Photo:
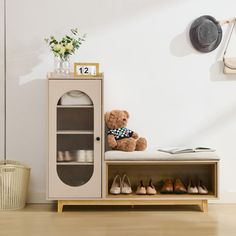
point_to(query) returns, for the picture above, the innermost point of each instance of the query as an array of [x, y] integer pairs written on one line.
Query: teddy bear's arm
[[111, 141], [134, 135]]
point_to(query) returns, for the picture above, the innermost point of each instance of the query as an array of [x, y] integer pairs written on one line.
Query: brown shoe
[[179, 187], [167, 187]]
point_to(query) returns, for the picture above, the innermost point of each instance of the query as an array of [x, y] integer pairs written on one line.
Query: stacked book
[[186, 150]]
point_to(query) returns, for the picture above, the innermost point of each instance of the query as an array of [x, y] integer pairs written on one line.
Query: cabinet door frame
[[56, 188]]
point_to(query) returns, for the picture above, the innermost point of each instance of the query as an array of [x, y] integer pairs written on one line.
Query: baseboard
[[37, 198], [228, 197]]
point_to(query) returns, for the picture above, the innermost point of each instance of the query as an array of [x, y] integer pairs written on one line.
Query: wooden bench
[[159, 166], [156, 166]]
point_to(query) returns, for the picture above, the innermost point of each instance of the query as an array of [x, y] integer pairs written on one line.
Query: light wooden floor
[[42, 220]]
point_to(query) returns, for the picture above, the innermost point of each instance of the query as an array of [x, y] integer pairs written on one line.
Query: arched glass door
[[75, 138]]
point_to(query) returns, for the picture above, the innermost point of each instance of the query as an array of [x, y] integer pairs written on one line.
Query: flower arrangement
[[67, 45]]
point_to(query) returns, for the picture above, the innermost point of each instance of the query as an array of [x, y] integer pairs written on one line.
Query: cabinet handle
[[98, 138]]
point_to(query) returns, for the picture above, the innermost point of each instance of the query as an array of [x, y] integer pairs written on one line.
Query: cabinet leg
[[59, 206], [204, 206]]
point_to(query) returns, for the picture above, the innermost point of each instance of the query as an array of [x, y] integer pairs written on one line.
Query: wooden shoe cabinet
[[76, 128]]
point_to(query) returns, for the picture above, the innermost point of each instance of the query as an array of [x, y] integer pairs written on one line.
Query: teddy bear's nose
[[124, 119]]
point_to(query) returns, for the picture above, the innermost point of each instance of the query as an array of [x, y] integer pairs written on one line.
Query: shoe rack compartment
[[74, 142], [161, 171], [75, 118]]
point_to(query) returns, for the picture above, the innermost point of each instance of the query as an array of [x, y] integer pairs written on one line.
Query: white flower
[[62, 50], [57, 48], [69, 47]]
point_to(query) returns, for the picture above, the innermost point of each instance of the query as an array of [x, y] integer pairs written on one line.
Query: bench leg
[[59, 206], [204, 206]]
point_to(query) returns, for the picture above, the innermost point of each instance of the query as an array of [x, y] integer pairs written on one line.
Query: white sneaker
[[116, 185], [60, 156], [192, 188], [151, 190], [125, 185], [89, 155], [202, 188], [67, 156]]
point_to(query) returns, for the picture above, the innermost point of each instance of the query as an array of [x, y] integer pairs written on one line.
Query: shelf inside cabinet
[[210, 195], [75, 132], [74, 106], [74, 163]]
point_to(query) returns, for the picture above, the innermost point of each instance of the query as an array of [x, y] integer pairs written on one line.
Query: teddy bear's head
[[116, 119]]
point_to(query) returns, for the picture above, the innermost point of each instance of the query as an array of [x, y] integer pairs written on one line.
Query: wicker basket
[[14, 179]]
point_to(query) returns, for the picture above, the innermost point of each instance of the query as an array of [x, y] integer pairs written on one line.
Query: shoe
[[192, 188], [141, 190], [179, 187], [60, 156], [151, 188], [67, 156], [125, 185], [167, 187], [116, 185], [202, 188]]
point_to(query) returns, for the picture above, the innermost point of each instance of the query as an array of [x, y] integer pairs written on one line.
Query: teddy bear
[[118, 136]]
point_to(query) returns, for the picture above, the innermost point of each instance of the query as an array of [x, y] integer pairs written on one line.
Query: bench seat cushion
[[158, 156]]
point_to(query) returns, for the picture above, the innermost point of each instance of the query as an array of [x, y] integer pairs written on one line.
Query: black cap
[[205, 33]]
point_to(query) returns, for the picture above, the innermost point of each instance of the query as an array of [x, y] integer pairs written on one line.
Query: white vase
[[62, 66]]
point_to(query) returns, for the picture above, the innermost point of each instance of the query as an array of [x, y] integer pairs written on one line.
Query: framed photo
[[86, 69]]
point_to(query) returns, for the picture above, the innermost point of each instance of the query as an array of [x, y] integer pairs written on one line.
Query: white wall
[[175, 95], [1, 78]]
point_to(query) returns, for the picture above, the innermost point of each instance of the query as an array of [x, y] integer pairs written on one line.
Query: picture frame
[[86, 69]]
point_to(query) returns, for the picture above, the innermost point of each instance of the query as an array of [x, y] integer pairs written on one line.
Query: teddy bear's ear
[[107, 116], [126, 113]]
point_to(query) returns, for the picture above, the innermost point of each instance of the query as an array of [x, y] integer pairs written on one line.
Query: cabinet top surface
[[53, 76]]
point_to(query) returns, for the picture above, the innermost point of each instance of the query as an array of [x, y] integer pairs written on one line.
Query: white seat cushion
[[158, 156]]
